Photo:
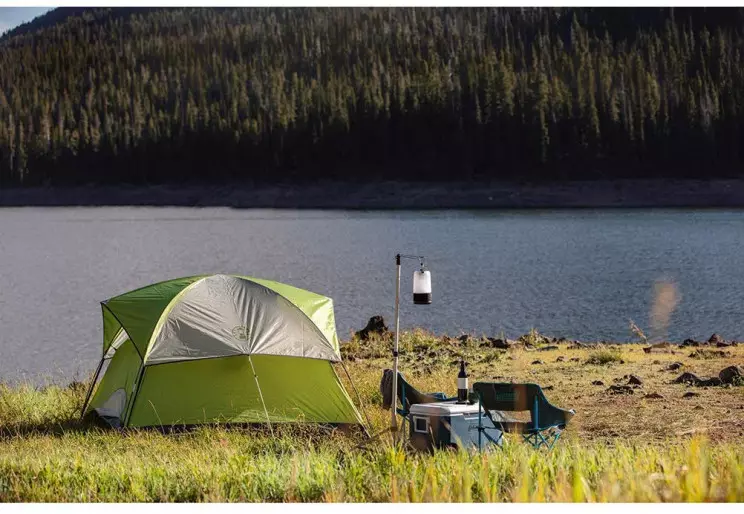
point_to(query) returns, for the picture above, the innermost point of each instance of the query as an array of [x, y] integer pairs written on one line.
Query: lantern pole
[[394, 402]]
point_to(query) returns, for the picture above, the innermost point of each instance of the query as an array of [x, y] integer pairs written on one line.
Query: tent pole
[[359, 399], [134, 393], [90, 389], [260, 394], [394, 402]]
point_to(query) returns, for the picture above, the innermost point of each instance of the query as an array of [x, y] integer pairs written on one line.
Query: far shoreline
[[391, 195]]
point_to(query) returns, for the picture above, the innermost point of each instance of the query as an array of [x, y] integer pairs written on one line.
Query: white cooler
[[448, 424]]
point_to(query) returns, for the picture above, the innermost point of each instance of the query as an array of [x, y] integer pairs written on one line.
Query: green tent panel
[[220, 348], [140, 310], [227, 392], [114, 392]]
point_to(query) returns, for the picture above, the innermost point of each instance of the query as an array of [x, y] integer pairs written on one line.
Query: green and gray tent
[[219, 348]]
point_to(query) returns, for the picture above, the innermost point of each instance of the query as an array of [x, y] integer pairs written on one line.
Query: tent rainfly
[[219, 348]]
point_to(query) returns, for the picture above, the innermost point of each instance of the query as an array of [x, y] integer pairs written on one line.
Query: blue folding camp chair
[[407, 394], [546, 424]]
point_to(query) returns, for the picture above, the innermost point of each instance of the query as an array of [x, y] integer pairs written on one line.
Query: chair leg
[[555, 439]]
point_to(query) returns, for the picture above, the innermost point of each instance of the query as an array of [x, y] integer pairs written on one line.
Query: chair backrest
[[506, 396], [407, 394], [501, 396]]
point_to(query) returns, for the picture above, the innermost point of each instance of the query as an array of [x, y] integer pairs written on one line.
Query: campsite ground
[[619, 447]]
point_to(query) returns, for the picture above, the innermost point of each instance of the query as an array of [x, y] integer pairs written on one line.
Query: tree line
[[254, 94]]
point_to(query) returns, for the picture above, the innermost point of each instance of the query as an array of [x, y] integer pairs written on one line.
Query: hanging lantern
[[422, 287]]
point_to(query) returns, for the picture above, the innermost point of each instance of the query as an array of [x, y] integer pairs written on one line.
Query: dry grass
[[617, 448], [718, 412]]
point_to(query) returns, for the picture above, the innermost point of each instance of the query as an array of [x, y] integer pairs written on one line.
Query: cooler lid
[[444, 409]]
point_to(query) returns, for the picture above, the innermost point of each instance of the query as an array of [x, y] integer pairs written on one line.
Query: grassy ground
[[617, 448]]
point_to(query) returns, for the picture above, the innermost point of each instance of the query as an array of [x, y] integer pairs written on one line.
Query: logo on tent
[[240, 332]]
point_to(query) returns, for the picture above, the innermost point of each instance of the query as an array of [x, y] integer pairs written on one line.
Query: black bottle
[[462, 384]]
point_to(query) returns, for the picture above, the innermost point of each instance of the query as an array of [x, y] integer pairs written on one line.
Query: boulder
[[547, 348], [715, 339], [659, 348], [538, 362], [687, 378], [654, 396], [691, 342], [712, 381], [560, 358], [620, 389], [690, 394], [375, 325], [574, 359], [634, 380], [709, 354], [598, 383], [726, 344], [674, 366], [501, 344], [732, 375]]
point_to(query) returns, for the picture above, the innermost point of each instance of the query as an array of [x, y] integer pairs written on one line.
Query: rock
[[732, 375], [598, 383], [548, 388], [620, 389], [709, 354], [691, 342], [657, 361], [659, 348], [574, 359], [375, 325], [560, 358], [499, 343], [464, 338], [533, 340], [698, 407], [674, 366], [654, 396], [538, 362], [634, 380], [547, 348], [715, 339], [713, 381], [687, 378], [690, 394]]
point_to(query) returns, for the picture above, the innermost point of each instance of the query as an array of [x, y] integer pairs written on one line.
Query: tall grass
[[215, 464], [47, 454]]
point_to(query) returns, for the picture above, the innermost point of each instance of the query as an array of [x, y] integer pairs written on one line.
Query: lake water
[[575, 273]]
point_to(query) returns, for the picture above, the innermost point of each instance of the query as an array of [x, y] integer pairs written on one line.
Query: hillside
[[145, 96]]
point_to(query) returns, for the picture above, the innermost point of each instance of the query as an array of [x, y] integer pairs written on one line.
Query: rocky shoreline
[[396, 195], [376, 331]]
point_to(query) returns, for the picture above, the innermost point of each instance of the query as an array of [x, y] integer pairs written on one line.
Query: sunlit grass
[[616, 449]]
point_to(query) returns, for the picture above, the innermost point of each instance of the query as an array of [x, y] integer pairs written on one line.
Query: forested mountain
[[198, 94]]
